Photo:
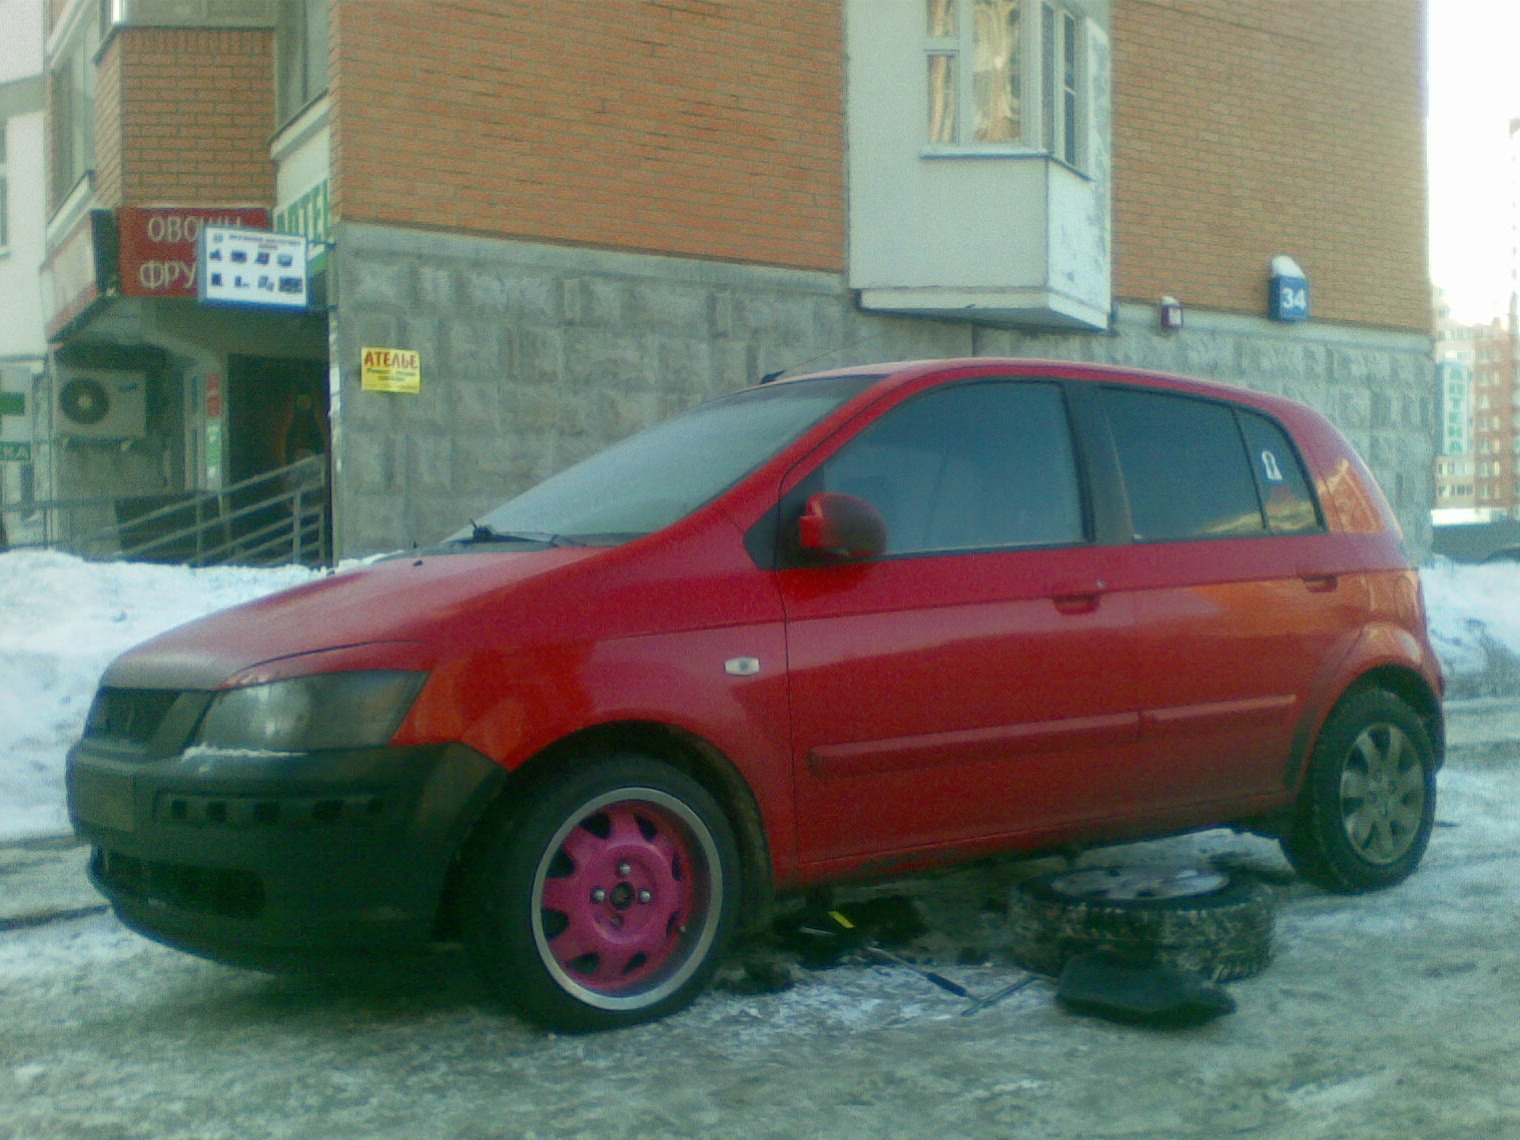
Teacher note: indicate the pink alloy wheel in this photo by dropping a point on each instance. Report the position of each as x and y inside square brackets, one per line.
[625, 897]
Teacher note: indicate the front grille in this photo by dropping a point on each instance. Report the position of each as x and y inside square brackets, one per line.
[129, 715]
[256, 811]
[208, 890]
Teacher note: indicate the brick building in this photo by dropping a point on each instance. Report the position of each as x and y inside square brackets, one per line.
[581, 218]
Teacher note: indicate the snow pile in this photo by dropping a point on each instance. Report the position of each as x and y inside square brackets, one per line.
[1475, 625]
[62, 621]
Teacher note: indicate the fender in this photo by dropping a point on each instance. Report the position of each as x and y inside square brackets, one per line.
[725, 688]
[1378, 646]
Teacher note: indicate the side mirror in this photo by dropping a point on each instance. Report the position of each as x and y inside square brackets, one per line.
[835, 526]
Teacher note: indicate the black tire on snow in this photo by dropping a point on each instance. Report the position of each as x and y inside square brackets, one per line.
[1368, 802]
[1223, 933]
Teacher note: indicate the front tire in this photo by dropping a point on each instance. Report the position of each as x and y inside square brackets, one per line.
[607, 899]
[1369, 799]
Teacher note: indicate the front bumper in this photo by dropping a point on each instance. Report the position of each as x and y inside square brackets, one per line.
[271, 859]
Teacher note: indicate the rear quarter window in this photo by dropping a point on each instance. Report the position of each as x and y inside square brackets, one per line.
[1280, 478]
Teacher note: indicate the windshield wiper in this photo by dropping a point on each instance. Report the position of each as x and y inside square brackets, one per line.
[481, 533]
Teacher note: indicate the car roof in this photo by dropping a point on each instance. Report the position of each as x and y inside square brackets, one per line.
[893, 374]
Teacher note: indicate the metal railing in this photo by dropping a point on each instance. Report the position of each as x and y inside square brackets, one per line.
[273, 519]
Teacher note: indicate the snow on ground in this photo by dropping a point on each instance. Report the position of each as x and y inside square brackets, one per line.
[62, 620]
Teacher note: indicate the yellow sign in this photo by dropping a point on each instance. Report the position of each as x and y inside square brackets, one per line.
[392, 370]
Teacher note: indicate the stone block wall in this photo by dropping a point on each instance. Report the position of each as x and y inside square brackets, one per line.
[534, 356]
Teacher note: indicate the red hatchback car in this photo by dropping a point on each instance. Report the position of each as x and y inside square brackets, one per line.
[841, 625]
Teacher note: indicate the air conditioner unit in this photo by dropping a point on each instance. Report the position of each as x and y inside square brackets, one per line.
[102, 405]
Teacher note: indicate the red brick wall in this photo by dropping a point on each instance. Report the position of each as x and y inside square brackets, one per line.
[1248, 129]
[709, 128]
[183, 117]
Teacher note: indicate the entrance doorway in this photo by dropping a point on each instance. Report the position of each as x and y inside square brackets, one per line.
[277, 449]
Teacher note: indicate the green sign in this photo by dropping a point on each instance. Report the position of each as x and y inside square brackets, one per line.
[15, 452]
[310, 216]
[12, 404]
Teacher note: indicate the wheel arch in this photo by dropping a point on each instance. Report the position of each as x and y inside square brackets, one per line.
[692, 756]
[1404, 682]
[1413, 690]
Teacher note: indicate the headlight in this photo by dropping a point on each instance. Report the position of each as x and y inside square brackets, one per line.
[303, 714]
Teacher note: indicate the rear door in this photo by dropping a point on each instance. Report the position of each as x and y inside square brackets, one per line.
[1233, 617]
[978, 679]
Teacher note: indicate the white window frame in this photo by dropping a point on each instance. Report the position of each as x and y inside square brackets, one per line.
[1052, 80]
[302, 39]
[71, 131]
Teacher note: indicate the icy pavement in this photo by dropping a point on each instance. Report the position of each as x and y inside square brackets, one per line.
[1384, 1014]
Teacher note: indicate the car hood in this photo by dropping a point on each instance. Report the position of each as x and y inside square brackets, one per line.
[396, 607]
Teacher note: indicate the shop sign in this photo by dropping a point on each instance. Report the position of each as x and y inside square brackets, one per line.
[13, 451]
[251, 267]
[158, 245]
[213, 454]
[310, 215]
[391, 370]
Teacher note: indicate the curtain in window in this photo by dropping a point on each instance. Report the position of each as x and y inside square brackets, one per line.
[996, 71]
[942, 81]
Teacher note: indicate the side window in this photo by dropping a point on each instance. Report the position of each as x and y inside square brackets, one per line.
[1184, 466]
[976, 466]
[1279, 477]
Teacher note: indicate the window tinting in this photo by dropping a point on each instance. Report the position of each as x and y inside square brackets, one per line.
[668, 470]
[976, 466]
[1184, 465]
[1279, 477]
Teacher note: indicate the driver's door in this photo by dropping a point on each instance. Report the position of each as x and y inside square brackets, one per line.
[975, 680]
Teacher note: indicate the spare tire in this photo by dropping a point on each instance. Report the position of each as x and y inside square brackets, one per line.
[1203, 921]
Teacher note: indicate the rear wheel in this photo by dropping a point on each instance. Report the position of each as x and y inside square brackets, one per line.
[1365, 814]
[607, 899]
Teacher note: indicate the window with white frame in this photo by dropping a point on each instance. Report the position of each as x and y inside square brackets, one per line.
[71, 113]
[301, 44]
[1005, 75]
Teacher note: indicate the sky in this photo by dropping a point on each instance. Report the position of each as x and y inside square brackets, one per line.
[1473, 92]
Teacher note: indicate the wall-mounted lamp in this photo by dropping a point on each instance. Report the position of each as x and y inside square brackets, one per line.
[1170, 313]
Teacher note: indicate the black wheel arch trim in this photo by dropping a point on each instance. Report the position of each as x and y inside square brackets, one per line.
[689, 754]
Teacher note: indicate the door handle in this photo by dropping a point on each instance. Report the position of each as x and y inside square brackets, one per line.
[1077, 596]
[1318, 581]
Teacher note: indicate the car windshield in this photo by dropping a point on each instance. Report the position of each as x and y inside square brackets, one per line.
[660, 475]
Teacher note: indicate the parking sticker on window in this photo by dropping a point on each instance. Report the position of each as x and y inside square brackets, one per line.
[1270, 468]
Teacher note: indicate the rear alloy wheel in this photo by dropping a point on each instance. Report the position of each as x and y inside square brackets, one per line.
[607, 899]
[1369, 799]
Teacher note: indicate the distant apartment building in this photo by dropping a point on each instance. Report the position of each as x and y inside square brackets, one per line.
[535, 227]
[1480, 407]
